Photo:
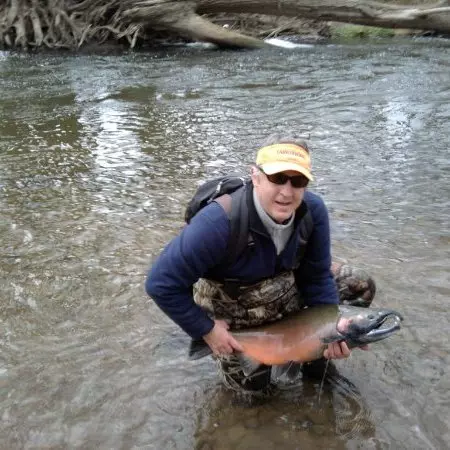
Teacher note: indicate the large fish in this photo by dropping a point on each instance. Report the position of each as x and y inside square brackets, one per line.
[303, 336]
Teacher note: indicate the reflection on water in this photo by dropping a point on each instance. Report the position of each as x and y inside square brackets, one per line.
[335, 416]
[99, 155]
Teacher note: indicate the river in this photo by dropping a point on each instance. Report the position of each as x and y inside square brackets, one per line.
[98, 157]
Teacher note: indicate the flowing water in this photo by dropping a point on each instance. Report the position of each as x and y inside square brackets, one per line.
[98, 157]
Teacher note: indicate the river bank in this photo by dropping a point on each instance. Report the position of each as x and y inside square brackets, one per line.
[90, 31]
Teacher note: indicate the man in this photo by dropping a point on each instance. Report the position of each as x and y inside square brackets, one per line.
[287, 264]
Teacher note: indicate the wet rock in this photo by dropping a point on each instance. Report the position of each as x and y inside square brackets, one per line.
[236, 433]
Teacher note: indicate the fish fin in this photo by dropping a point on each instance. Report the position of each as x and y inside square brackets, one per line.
[351, 344]
[198, 349]
[330, 339]
[248, 365]
[289, 372]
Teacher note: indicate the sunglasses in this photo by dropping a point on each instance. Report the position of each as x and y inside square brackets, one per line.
[297, 181]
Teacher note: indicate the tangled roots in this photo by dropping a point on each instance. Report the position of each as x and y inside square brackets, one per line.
[64, 23]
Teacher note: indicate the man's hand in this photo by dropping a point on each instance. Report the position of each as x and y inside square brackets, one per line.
[339, 350]
[220, 339]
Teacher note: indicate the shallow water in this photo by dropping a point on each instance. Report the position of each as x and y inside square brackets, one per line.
[99, 155]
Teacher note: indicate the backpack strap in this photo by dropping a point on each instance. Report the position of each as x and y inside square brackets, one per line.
[306, 226]
[225, 202]
[237, 211]
[239, 218]
[306, 229]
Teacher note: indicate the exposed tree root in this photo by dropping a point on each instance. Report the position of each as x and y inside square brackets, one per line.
[71, 24]
[64, 23]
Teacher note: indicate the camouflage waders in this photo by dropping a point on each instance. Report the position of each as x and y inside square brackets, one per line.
[268, 301]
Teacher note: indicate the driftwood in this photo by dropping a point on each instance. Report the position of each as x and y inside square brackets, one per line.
[72, 23]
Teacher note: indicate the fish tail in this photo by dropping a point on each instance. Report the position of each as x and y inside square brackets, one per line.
[198, 349]
[288, 372]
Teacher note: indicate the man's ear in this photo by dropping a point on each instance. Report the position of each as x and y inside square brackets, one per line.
[254, 173]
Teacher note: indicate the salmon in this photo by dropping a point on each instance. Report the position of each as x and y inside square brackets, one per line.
[303, 336]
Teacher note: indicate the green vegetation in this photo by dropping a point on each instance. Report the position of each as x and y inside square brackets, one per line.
[340, 31]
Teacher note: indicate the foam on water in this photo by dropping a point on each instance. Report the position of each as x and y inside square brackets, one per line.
[286, 44]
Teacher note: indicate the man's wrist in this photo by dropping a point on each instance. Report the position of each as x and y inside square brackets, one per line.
[206, 327]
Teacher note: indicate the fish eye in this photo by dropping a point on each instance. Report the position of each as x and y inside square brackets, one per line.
[371, 316]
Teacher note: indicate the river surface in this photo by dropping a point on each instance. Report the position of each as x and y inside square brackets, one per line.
[98, 157]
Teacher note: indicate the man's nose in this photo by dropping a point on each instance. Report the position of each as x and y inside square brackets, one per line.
[287, 189]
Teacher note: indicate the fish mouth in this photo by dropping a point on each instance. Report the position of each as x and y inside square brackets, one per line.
[389, 325]
[385, 324]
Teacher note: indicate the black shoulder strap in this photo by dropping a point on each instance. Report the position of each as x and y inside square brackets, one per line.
[235, 205]
[306, 229]
[306, 225]
[239, 233]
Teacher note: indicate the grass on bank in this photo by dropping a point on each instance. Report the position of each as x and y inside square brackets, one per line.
[339, 31]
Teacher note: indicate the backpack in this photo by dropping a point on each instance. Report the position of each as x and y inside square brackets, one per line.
[230, 192]
[211, 190]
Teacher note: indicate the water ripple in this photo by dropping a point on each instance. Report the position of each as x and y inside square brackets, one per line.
[98, 158]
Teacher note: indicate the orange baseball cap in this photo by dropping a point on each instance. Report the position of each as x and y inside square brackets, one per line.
[281, 157]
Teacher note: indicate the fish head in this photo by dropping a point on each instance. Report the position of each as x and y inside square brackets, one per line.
[359, 326]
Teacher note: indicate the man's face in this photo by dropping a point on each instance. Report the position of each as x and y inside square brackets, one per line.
[279, 201]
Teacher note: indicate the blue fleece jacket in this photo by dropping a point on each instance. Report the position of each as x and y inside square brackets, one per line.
[202, 245]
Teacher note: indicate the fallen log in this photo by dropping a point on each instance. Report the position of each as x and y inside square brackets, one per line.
[72, 24]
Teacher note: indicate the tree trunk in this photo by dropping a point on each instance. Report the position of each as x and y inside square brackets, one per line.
[70, 23]
[181, 17]
[434, 17]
